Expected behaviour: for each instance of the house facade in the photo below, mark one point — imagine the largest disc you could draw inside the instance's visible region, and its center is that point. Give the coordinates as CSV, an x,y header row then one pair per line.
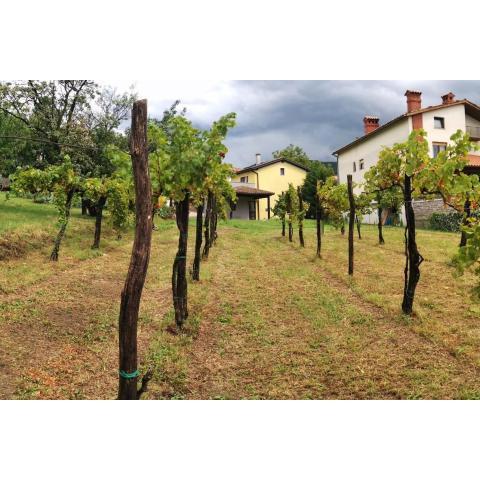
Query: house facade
x,y
259,185
439,121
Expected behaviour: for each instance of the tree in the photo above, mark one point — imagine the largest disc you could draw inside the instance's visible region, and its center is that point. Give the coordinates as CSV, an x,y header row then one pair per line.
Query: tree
x,y
60,181
116,192
280,209
407,166
15,148
292,209
216,189
391,200
318,172
333,199
294,153
318,221
300,216
182,162
351,219
363,206
55,114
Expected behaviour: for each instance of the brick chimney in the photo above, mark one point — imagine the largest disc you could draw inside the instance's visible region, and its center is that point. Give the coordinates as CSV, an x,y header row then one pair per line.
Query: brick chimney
x,y
448,98
370,124
414,100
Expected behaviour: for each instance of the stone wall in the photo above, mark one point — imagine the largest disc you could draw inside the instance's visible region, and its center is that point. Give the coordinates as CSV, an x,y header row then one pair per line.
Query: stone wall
x,y
424,208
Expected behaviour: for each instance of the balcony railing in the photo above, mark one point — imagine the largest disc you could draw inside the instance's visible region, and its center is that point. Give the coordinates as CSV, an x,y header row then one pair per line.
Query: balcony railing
x,y
243,184
474,132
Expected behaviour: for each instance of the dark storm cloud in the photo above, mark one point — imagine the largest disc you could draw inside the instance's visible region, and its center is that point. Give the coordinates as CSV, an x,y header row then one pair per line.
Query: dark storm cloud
x,y
321,116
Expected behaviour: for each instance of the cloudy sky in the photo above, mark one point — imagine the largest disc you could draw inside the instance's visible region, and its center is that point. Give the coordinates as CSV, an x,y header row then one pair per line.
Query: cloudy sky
x,y
319,116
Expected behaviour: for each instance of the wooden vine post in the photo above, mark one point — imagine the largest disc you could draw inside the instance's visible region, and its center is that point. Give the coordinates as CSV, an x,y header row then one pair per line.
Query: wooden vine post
x,y
207,222
300,217
198,243
137,271
290,214
318,216
466,216
351,223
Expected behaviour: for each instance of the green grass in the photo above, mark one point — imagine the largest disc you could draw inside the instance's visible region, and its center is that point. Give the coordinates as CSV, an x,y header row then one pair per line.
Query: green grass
x,y
18,212
267,320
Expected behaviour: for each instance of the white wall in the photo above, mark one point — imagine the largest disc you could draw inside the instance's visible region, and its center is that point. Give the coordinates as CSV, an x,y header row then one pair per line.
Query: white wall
x,y
369,150
454,117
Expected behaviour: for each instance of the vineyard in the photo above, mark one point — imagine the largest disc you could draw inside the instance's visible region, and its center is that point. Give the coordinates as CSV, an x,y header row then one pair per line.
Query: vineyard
x,y
268,319
122,272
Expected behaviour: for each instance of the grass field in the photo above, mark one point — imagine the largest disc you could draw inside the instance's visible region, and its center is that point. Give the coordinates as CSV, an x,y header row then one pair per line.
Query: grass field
x,y
267,320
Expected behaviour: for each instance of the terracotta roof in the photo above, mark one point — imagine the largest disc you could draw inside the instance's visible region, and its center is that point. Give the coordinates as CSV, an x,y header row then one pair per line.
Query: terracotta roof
x,y
470,107
253,192
256,166
473,160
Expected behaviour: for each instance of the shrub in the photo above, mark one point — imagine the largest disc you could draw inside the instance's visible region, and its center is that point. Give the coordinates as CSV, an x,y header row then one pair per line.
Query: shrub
x,y
448,222
166,212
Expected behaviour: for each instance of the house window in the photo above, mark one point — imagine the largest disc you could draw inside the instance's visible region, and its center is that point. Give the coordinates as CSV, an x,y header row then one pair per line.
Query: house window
x,y
282,171
361,164
354,167
243,179
437,148
438,122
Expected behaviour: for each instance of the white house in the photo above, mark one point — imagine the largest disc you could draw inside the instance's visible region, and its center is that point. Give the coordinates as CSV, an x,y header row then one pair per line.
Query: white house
x,y
439,121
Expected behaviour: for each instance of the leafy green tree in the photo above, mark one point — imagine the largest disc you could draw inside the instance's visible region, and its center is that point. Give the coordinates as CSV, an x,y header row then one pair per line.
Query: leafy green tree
x,y
333,199
61,181
114,191
280,209
54,113
186,163
294,153
300,215
391,200
363,206
292,203
15,151
181,164
409,167
216,188
318,171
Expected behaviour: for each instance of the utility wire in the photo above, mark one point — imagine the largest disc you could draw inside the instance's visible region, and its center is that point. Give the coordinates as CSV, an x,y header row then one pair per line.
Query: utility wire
x,y
14,137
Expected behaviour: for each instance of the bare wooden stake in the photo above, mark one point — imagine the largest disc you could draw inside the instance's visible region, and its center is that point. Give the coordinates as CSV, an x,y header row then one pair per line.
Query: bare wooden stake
x,y
318,216
137,271
351,224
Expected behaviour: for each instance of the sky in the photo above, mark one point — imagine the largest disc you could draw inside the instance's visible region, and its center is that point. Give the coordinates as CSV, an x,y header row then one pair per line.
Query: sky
x,y
319,116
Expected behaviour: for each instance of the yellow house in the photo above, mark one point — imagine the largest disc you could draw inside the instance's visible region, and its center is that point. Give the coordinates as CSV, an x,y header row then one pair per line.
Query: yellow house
x,y
259,185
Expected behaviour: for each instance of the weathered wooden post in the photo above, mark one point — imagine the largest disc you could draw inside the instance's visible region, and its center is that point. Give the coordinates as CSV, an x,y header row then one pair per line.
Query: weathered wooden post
x,y
207,222
351,224
137,271
198,243
300,222
318,216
